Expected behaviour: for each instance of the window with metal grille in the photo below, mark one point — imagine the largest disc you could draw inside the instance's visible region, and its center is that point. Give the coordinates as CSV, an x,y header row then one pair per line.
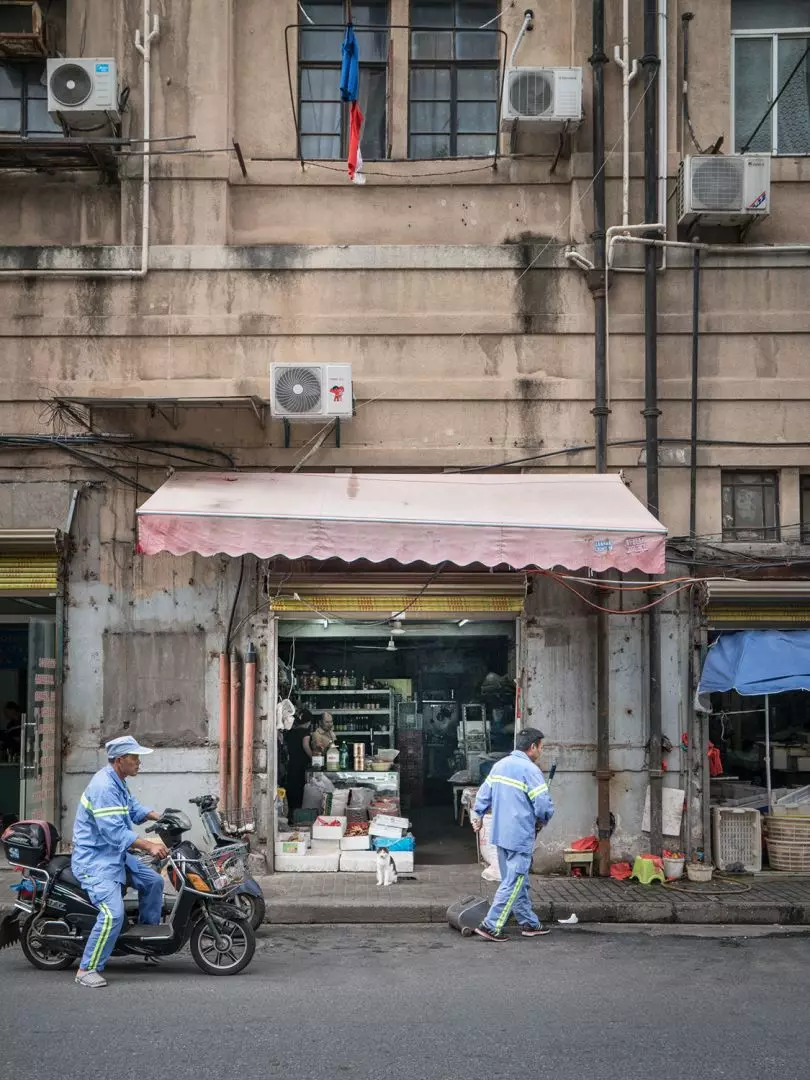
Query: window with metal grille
x,y
769,40
454,79
323,119
750,505
24,101
805,509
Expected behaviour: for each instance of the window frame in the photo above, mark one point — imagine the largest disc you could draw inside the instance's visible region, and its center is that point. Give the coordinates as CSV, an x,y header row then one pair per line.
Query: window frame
x,y
772,35
383,66
454,65
804,521
771,534
24,98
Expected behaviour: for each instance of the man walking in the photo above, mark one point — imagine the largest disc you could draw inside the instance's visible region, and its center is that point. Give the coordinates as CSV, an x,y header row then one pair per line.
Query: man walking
x,y
102,839
517,794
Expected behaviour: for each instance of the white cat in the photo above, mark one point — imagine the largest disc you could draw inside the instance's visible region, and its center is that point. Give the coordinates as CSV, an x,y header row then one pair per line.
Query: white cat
x,y
386,868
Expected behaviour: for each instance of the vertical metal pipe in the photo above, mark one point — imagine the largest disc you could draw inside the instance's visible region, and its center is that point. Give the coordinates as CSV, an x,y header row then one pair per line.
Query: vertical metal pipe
x,y
233,778
248,718
650,65
601,411
694,393
224,728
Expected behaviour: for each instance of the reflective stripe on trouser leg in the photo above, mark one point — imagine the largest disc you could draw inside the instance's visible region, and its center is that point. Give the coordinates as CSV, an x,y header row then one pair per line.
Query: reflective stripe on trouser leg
x,y
522,908
106,896
514,866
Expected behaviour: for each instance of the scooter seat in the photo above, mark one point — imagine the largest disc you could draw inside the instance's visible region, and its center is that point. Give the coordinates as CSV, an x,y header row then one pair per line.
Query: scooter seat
x,y
59,868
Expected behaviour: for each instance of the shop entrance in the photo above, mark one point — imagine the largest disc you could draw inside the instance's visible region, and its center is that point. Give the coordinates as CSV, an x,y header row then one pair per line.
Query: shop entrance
x,y
440,693
28,685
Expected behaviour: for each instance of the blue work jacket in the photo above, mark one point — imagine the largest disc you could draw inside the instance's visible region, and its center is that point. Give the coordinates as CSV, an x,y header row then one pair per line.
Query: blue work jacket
x,y
517,794
102,831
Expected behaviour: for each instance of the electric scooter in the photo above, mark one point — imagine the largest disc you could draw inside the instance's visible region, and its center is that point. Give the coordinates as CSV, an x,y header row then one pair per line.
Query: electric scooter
x,y
58,915
230,856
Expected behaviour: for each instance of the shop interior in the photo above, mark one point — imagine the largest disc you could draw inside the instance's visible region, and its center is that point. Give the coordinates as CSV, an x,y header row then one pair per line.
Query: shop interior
x,y
761,745
441,693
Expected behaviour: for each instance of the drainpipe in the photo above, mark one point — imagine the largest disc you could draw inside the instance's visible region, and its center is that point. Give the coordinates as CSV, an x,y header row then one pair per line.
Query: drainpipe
x,y
224,722
233,779
650,64
694,393
598,285
248,719
629,72
151,32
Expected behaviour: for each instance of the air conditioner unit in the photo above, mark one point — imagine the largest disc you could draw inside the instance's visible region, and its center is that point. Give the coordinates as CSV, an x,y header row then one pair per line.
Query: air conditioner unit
x,y
311,391
83,92
546,97
720,189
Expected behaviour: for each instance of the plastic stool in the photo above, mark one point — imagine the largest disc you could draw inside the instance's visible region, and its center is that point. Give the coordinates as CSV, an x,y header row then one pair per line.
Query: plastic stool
x,y
646,872
583,860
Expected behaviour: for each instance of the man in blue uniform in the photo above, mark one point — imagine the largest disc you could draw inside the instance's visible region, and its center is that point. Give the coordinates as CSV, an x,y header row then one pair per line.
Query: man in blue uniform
x,y
102,839
517,794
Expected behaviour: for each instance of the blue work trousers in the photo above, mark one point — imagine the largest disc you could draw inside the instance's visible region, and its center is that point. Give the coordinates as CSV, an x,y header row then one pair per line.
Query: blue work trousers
x,y
512,897
108,898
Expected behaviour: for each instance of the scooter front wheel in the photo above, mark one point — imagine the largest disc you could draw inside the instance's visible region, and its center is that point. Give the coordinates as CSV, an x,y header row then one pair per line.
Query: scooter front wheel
x,y
40,953
227,952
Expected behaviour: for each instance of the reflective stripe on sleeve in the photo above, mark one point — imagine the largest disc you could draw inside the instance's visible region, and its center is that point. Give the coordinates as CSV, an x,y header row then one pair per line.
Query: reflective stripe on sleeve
x,y
538,790
509,782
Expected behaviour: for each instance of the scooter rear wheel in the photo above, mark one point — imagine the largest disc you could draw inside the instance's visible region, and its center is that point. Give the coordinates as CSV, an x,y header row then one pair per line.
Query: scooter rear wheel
x,y
41,955
252,907
227,954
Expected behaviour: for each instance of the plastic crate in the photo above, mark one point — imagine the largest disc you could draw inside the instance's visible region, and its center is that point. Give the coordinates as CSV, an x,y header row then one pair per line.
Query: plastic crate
x,y
792,856
737,838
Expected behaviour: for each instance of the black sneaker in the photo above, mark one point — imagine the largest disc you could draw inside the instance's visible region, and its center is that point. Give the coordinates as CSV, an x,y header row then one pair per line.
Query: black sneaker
x,y
534,931
490,935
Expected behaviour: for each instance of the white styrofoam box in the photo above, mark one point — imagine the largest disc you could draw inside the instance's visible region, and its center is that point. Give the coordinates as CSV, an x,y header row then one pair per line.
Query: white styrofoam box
x,y
325,847
323,831
403,861
392,822
780,759
295,834
355,843
804,764
308,864
358,862
291,847
388,831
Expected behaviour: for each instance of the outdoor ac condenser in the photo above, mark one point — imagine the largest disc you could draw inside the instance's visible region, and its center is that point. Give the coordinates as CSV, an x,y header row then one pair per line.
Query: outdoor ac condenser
x,y
545,97
311,391
83,92
724,189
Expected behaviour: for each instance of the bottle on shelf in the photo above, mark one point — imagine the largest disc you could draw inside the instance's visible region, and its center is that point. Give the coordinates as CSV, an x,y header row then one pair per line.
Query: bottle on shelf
x,y
334,681
323,681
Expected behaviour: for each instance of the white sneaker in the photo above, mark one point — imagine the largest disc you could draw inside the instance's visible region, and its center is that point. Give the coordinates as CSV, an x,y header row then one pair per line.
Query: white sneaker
x,y
91,979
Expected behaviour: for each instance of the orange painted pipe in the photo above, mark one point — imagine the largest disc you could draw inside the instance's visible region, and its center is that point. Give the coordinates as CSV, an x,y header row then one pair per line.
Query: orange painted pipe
x,y
248,718
233,778
224,720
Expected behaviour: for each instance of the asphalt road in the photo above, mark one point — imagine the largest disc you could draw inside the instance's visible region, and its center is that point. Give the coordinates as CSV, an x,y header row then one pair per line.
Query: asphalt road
x,y
422,1003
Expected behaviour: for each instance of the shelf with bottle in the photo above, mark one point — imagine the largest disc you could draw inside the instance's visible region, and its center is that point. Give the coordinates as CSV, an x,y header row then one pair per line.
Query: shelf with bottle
x,y
386,732
354,690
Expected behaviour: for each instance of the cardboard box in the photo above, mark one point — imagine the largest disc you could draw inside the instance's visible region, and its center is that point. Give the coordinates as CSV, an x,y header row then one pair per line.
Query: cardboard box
x,y
355,843
323,829
358,862
387,831
325,847
291,847
393,822
308,864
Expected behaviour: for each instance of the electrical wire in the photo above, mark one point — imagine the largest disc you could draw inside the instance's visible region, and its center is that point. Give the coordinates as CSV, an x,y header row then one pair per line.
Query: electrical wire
x,y
229,634
618,611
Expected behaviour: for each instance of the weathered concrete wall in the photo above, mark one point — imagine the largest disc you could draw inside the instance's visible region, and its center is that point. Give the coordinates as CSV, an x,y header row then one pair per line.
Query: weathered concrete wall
x,y
561,701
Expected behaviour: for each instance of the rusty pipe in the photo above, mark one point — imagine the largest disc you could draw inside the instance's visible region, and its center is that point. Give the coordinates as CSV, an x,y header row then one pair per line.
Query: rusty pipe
x,y
233,779
248,714
224,720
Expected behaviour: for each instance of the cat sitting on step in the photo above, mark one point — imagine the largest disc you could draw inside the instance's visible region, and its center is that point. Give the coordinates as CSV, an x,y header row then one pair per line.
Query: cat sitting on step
x,y
386,868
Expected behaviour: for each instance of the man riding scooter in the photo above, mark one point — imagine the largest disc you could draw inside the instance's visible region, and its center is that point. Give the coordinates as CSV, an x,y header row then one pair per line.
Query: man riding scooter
x,y
103,837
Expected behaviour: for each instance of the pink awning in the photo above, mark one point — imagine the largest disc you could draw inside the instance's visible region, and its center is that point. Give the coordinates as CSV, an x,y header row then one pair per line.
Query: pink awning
x,y
520,520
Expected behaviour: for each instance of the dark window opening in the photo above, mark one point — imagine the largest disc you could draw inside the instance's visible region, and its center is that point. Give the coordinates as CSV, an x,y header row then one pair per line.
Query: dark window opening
x,y
750,506
454,96
323,119
24,101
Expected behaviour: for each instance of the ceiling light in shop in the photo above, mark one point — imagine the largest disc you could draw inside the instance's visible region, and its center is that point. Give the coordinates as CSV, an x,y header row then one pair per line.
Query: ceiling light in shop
x,y
463,622
391,646
397,627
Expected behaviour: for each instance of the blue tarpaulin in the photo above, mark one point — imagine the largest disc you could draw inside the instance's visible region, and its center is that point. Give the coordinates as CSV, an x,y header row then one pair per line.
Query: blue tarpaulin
x,y
758,662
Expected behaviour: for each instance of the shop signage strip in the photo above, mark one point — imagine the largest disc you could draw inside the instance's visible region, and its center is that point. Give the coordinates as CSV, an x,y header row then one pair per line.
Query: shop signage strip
x,y
427,603
29,573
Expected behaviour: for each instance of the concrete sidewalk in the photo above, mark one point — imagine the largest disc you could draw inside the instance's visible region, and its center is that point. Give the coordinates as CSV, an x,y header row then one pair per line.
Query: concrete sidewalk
x,y
762,899
778,899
